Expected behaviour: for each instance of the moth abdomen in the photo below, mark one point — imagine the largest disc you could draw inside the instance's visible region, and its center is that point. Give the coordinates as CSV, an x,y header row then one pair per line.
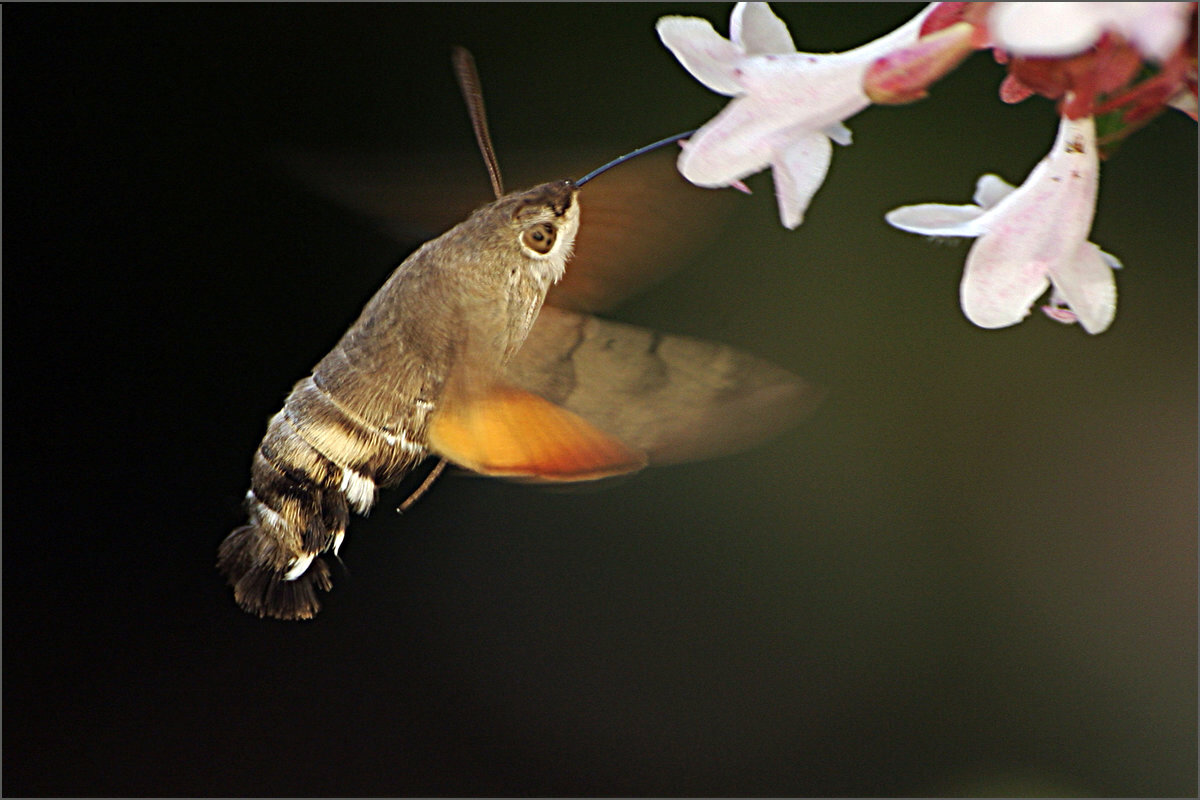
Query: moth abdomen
x,y
245,557
371,455
314,465
296,511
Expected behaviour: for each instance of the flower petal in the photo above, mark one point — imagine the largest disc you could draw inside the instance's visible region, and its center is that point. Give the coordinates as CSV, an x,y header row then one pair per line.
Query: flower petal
x,y
1086,284
1044,29
936,219
990,190
839,133
708,56
1063,29
755,28
999,285
787,105
1156,28
1035,230
803,89
1112,261
799,170
1050,214
734,144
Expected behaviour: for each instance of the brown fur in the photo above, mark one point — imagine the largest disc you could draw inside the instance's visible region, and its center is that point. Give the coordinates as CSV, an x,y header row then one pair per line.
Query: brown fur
x,y
462,302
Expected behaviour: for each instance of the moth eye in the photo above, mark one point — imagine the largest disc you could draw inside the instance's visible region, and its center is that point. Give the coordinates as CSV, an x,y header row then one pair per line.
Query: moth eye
x,y
539,238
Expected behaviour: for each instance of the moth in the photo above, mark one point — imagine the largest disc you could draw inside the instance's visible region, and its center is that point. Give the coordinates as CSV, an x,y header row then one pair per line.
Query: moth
x,y
457,356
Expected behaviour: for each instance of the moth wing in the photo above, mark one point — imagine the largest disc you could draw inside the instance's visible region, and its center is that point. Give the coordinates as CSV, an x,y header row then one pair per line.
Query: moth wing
x,y
638,224
393,190
674,398
504,431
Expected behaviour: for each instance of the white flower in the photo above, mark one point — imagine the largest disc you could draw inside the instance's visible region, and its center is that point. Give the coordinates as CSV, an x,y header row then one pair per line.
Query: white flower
x,y
787,105
1063,29
1031,238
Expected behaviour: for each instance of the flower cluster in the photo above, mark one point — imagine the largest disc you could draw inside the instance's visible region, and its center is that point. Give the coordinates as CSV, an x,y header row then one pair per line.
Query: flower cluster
x,y
1111,66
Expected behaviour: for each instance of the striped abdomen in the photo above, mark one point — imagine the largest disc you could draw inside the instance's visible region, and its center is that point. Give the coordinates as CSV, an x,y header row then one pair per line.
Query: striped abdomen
x,y
460,304
315,464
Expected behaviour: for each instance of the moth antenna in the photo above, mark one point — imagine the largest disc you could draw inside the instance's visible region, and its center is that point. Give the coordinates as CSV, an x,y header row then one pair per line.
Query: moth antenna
x,y
468,82
641,150
423,488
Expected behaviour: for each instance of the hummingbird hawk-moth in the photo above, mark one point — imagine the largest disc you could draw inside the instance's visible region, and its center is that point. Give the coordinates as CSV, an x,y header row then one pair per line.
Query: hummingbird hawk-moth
x,y
457,357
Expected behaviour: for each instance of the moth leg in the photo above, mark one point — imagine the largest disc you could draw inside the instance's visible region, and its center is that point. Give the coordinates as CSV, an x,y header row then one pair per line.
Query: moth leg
x,y
423,488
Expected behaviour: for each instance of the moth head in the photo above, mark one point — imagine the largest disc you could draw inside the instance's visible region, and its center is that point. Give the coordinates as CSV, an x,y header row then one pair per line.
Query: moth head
x,y
543,223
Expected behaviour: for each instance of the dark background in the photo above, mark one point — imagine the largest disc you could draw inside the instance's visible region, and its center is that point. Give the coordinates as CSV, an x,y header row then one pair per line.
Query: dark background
x,y
972,571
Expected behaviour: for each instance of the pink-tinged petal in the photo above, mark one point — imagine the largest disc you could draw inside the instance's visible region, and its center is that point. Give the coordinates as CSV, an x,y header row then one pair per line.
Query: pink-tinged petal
x,y
734,144
781,100
990,190
817,90
1031,238
798,172
803,90
1035,230
708,56
755,28
999,285
1051,212
935,219
1086,284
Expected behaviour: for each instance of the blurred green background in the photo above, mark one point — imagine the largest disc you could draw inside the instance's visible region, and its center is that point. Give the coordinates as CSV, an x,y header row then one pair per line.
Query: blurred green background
x,y
972,572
